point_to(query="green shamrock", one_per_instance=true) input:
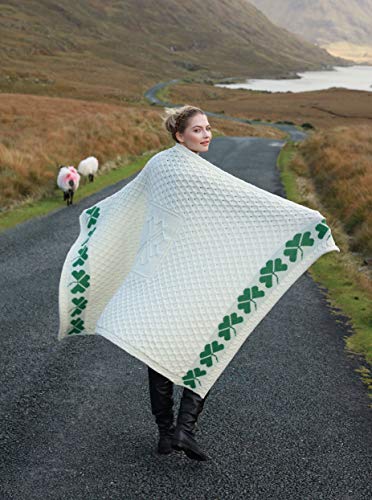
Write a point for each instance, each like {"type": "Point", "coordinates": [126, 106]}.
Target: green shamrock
{"type": "Point", "coordinates": [93, 215]}
{"type": "Point", "coordinates": [193, 375]}
{"type": "Point", "coordinates": [82, 281]}
{"type": "Point", "coordinates": [78, 326]}
{"type": "Point", "coordinates": [269, 271]}
{"type": "Point", "coordinates": [89, 235]}
{"type": "Point", "coordinates": [209, 350]}
{"type": "Point", "coordinates": [83, 255]}
{"type": "Point", "coordinates": [298, 241]}
{"type": "Point", "coordinates": [322, 228]}
{"type": "Point", "coordinates": [226, 325]}
{"type": "Point", "coordinates": [248, 295]}
{"type": "Point", "coordinates": [80, 305]}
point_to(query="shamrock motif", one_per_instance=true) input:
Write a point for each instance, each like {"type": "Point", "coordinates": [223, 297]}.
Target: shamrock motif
{"type": "Point", "coordinates": [248, 295]}
{"type": "Point", "coordinates": [89, 235]}
{"type": "Point", "coordinates": [193, 375]}
{"type": "Point", "coordinates": [83, 255]}
{"type": "Point", "coordinates": [80, 304]}
{"type": "Point", "coordinates": [82, 281]}
{"type": "Point", "coordinates": [209, 350]}
{"type": "Point", "coordinates": [78, 325]}
{"type": "Point", "coordinates": [296, 243]}
{"type": "Point", "coordinates": [227, 323]}
{"type": "Point", "coordinates": [322, 228]}
{"type": "Point", "coordinates": [93, 215]}
{"type": "Point", "coordinates": [269, 271]}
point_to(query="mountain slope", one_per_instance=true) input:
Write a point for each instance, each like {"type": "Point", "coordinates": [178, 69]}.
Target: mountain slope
{"type": "Point", "coordinates": [117, 48]}
{"type": "Point", "coordinates": [323, 21]}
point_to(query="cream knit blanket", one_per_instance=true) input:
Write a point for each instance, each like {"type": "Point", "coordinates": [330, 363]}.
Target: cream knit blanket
{"type": "Point", "coordinates": [179, 266]}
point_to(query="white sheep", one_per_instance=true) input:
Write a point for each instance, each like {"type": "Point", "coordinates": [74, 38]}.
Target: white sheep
{"type": "Point", "coordinates": [68, 180]}
{"type": "Point", "coordinates": [88, 167]}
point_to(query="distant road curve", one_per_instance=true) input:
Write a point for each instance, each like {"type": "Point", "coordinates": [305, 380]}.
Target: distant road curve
{"type": "Point", "coordinates": [151, 95]}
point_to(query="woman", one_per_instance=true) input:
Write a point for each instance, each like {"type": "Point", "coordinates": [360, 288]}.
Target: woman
{"type": "Point", "coordinates": [188, 126]}
{"type": "Point", "coordinates": [142, 272]}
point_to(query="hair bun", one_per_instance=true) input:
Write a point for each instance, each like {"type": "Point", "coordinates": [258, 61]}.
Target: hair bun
{"type": "Point", "coordinates": [176, 118]}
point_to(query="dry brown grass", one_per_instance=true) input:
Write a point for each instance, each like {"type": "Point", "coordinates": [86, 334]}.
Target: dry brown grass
{"type": "Point", "coordinates": [323, 108]}
{"type": "Point", "coordinates": [339, 162]}
{"type": "Point", "coordinates": [40, 133]}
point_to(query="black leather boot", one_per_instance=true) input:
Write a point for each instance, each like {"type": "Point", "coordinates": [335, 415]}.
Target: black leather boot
{"type": "Point", "coordinates": [161, 395]}
{"type": "Point", "coordinates": [183, 438]}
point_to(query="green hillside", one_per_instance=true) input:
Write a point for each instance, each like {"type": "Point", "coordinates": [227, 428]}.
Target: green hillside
{"type": "Point", "coordinates": [116, 49]}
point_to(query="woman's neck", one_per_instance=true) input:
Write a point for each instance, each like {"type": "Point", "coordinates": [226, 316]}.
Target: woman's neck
{"type": "Point", "coordinates": [192, 151]}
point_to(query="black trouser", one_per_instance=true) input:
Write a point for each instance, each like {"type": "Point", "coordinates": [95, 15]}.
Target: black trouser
{"type": "Point", "coordinates": [161, 396]}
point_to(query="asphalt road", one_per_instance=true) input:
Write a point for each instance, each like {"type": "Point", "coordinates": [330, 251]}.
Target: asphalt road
{"type": "Point", "coordinates": [288, 418]}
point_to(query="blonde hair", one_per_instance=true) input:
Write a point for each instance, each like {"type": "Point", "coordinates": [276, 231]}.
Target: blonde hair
{"type": "Point", "coordinates": [176, 119]}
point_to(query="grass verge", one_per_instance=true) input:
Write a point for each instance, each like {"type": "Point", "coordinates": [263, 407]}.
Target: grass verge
{"type": "Point", "coordinates": [340, 274]}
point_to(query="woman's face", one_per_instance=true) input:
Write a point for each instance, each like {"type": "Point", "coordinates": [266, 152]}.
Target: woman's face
{"type": "Point", "coordinates": [197, 134]}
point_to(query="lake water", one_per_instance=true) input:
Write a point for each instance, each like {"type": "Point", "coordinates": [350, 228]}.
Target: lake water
{"type": "Point", "coordinates": [351, 77]}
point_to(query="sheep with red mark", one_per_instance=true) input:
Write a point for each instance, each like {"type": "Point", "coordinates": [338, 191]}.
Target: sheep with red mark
{"type": "Point", "coordinates": [68, 180]}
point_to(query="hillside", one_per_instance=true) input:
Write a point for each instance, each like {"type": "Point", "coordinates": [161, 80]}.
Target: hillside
{"type": "Point", "coordinates": [323, 21]}
{"type": "Point", "coordinates": [115, 50]}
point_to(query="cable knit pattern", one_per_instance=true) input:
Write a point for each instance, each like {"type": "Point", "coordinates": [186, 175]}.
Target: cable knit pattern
{"type": "Point", "coordinates": [178, 267]}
